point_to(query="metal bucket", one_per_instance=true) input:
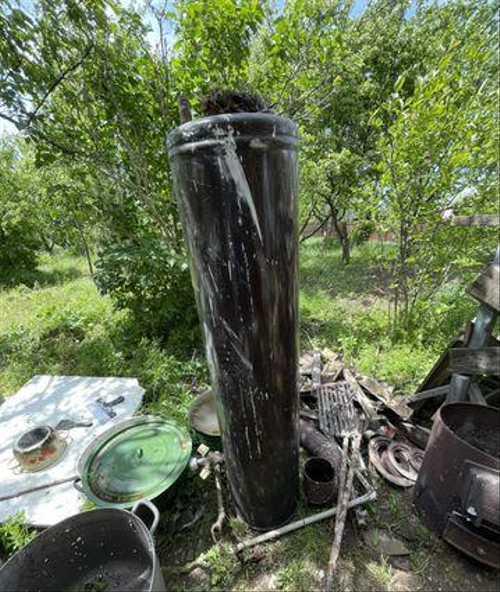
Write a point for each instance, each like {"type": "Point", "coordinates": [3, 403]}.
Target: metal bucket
{"type": "Point", "coordinates": [457, 491]}
{"type": "Point", "coordinates": [319, 481]}
{"type": "Point", "coordinates": [105, 549]}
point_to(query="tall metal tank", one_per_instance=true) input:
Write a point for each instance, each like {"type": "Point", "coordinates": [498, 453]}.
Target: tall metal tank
{"type": "Point", "coordinates": [235, 179]}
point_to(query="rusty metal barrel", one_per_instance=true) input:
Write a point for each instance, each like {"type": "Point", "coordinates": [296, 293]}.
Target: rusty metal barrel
{"type": "Point", "coordinates": [235, 179]}
{"type": "Point", "coordinates": [457, 491]}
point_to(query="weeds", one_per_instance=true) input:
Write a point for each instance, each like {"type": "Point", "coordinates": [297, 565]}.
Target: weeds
{"type": "Point", "coordinates": [222, 564]}
{"type": "Point", "coordinates": [239, 528]}
{"type": "Point", "coordinates": [382, 572]}
{"type": "Point", "coordinates": [15, 534]}
{"type": "Point", "coordinates": [297, 576]}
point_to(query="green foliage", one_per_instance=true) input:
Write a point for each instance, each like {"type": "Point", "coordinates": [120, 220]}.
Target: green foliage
{"type": "Point", "coordinates": [152, 281]}
{"type": "Point", "coordinates": [40, 47]}
{"type": "Point", "coordinates": [397, 116]}
{"type": "Point", "coordinates": [345, 309]}
{"type": "Point", "coordinates": [222, 563]}
{"type": "Point", "coordinates": [19, 206]}
{"type": "Point", "coordinates": [14, 534]}
{"type": "Point", "coordinates": [331, 73]}
{"type": "Point", "coordinates": [213, 44]}
{"type": "Point", "coordinates": [438, 154]}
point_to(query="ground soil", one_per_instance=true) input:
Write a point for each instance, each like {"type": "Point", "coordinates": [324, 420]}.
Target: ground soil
{"type": "Point", "coordinates": [297, 561]}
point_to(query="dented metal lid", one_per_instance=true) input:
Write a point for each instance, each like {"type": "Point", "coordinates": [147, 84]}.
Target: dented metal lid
{"type": "Point", "coordinates": [136, 459]}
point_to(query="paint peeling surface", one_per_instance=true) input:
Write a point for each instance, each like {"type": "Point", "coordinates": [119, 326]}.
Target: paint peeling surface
{"type": "Point", "coordinates": [235, 178]}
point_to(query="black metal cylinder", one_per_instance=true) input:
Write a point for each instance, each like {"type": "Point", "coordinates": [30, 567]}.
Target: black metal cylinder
{"type": "Point", "coordinates": [235, 178]}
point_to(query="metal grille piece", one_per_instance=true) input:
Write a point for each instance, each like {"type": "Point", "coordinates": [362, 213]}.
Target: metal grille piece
{"type": "Point", "coordinates": [337, 414]}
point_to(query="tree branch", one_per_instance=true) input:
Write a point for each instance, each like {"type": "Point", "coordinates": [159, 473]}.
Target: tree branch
{"type": "Point", "coordinates": [57, 82]}
{"type": "Point", "coordinates": [9, 119]}
{"type": "Point", "coordinates": [322, 224]}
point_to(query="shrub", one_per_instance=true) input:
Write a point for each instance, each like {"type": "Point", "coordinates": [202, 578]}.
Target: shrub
{"type": "Point", "coordinates": [19, 239]}
{"type": "Point", "coordinates": [152, 281]}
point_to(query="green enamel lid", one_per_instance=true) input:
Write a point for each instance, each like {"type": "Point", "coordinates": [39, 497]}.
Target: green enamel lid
{"type": "Point", "coordinates": [136, 459]}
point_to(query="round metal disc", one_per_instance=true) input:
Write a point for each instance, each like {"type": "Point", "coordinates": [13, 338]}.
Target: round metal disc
{"type": "Point", "coordinates": [136, 459]}
{"type": "Point", "coordinates": [203, 414]}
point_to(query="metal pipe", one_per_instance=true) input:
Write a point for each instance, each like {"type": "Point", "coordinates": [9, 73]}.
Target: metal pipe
{"type": "Point", "coordinates": [274, 534]}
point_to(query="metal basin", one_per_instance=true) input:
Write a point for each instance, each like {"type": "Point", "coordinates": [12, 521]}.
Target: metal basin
{"type": "Point", "coordinates": [110, 550]}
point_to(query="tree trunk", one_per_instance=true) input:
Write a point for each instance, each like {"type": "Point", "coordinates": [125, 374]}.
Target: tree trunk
{"type": "Point", "coordinates": [343, 234]}
{"type": "Point", "coordinates": [85, 247]}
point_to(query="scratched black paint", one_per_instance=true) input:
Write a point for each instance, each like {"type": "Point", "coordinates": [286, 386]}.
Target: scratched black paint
{"type": "Point", "coordinates": [235, 178]}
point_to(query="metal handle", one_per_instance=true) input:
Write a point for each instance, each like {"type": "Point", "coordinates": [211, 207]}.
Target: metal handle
{"type": "Point", "coordinates": [114, 402]}
{"type": "Point", "coordinates": [153, 509]}
{"type": "Point", "coordinates": [77, 486]}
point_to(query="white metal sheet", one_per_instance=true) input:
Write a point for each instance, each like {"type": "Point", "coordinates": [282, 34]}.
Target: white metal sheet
{"type": "Point", "coordinates": [45, 400]}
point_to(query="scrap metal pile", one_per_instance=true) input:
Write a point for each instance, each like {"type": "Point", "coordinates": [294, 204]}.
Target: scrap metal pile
{"type": "Point", "coordinates": [336, 401]}
{"type": "Point", "coordinates": [349, 420]}
{"type": "Point", "coordinates": [455, 468]}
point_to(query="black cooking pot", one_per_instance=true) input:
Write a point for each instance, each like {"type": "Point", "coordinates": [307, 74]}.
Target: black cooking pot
{"type": "Point", "coordinates": [107, 549]}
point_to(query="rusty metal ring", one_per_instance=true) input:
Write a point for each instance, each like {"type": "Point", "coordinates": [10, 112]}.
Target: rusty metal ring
{"type": "Point", "coordinates": [416, 459]}
{"type": "Point", "coordinates": [398, 456]}
{"type": "Point", "coordinates": [377, 452]}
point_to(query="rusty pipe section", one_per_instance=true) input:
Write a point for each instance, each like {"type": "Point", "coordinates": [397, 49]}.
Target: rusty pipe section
{"type": "Point", "coordinates": [235, 179]}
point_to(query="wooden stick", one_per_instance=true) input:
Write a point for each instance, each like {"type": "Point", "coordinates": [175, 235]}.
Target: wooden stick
{"type": "Point", "coordinates": [342, 512]}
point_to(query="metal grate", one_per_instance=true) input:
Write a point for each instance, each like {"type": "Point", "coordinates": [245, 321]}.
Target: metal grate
{"type": "Point", "coordinates": [337, 414]}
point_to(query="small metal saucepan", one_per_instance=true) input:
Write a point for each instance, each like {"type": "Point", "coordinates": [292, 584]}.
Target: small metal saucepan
{"type": "Point", "coordinates": [39, 448]}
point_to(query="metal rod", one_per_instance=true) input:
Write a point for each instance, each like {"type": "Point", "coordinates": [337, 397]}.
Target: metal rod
{"type": "Point", "coordinates": [38, 488]}
{"type": "Point", "coordinates": [278, 532]}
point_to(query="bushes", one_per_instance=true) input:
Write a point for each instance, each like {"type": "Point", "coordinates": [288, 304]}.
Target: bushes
{"type": "Point", "coordinates": [19, 240]}
{"type": "Point", "coordinates": [151, 281]}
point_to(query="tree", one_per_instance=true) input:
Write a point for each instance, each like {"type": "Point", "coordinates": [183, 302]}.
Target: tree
{"type": "Point", "coordinates": [20, 209]}
{"type": "Point", "coordinates": [440, 145]}
{"type": "Point", "coordinates": [213, 44]}
{"type": "Point", "coordinates": [331, 72]}
{"type": "Point", "coordinates": [40, 48]}
{"type": "Point", "coordinates": [97, 102]}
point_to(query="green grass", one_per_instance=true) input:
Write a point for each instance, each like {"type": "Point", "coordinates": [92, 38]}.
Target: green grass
{"type": "Point", "coordinates": [14, 535]}
{"type": "Point", "coordinates": [346, 308]}
{"type": "Point", "coordinates": [67, 327]}
{"type": "Point", "coordinates": [296, 576]}
{"type": "Point", "coordinates": [54, 321]}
